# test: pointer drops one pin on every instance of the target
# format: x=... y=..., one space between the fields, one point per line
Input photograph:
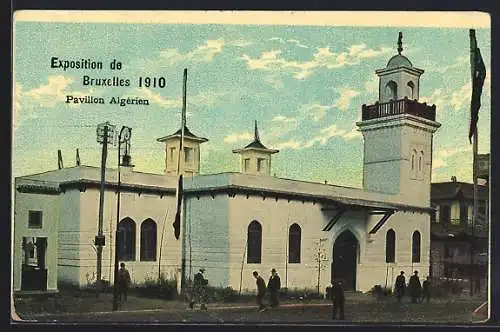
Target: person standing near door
x=274 y=286
x=414 y=287
x=400 y=286
x=338 y=299
x=123 y=282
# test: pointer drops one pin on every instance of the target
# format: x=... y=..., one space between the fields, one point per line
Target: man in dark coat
x=426 y=292
x=199 y=290
x=414 y=287
x=274 y=286
x=261 y=290
x=400 y=286
x=338 y=299
x=123 y=282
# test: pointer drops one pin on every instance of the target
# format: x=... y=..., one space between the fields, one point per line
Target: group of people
x=273 y=286
x=418 y=292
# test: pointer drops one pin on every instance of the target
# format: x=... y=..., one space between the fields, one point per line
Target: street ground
x=359 y=308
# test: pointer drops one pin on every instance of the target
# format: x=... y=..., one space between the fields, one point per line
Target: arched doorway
x=345 y=259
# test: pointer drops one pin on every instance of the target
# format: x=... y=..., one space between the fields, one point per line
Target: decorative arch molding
x=359 y=237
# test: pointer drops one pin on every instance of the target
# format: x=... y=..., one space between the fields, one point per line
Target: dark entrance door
x=345 y=259
x=34 y=273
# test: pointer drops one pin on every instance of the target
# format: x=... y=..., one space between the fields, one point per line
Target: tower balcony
x=396 y=107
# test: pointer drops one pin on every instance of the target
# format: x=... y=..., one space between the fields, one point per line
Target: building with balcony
x=454 y=236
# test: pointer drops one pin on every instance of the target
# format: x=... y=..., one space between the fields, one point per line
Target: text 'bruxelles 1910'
x=114 y=81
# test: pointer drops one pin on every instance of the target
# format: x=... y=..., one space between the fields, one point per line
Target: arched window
x=126 y=240
x=148 y=240
x=412 y=161
x=411 y=90
x=390 y=246
x=294 y=234
x=391 y=90
x=415 y=252
x=421 y=161
x=254 y=243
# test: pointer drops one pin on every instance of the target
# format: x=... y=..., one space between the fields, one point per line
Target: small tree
x=320 y=257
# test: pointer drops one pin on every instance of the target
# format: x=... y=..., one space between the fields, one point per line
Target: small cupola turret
x=191 y=147
x=256 y=157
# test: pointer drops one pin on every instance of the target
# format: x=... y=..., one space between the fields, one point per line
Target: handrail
x=396 y=107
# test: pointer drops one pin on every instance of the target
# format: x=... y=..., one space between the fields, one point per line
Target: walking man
x=274 y=286
x=415 y=287
x=123 y=282
x=261 y=291
x=426 y=292
x=199 y=290
x=338 y=299
x=400 y=286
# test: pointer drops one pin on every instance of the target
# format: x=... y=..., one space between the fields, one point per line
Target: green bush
x=162 y=288
x=380 y=291
x=300 y=294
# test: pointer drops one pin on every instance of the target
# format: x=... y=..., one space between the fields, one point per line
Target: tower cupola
x=191 y=145
x=256 y=157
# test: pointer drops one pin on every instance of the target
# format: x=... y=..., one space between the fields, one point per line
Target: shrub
x=162 y=288
x=301 y=294
x=217 y=294
x=380 y=291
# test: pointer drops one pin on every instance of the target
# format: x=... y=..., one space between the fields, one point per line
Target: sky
x=304 y=84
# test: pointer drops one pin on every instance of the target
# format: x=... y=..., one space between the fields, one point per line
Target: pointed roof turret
x=256 y=144
x=187 y=135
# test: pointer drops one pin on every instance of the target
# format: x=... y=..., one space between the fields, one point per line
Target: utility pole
x=124 y=137
x=104 y=131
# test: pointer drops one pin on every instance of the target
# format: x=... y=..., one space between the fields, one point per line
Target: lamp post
x=124 y=137
x=105 y=133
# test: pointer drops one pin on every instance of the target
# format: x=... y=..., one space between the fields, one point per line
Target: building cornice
x=265 y=193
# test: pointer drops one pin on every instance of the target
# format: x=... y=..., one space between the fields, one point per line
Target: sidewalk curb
x=210 y=309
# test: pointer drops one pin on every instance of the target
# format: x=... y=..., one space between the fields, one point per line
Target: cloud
x=346 y=95
x=238 y=137
x=240 y=43
x=354 y=133
x=291 y=41
x=18 y=93
x=284 y=125
x=291 y=144
x=202 y=53
x=443 y=155
x=297 y=43
x=316 y=111
x=372 y=83
x=48 y=95
x=28 y=103
x=322 y=58
x=458 y=62
x=157 y=99
x=203 y=98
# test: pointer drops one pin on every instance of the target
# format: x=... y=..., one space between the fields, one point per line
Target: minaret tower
x=191 y=165
x=398 y=133
x=255 y=157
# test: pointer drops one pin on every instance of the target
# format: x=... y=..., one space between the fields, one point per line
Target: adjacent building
x=454 y=236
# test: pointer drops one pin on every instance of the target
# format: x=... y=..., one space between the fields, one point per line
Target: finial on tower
x=256 y=133
x=400 y=43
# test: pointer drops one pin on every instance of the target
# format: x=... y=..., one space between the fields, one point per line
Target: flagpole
x=474 y=210
x=180 y=171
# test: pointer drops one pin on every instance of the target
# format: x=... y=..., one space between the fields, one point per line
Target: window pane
x=390 y=246
x=35 y=219
x=294 y=239
x=254 y=242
